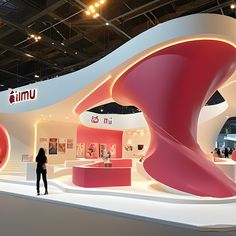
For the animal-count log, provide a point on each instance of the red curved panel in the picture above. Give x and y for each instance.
(96, 175)
(170, 87)
(100, 94)
(4, 146)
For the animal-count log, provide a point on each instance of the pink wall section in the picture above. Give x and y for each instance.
(90, 135)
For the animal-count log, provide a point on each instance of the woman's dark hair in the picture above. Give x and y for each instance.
(41, 152)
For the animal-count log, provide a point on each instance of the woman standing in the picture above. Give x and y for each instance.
(41, 160)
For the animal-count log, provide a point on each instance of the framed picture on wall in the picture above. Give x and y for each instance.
(69, 143)
(80, 150)
(140, 146)
(92, 150)
(128, 148)
(102, 150)
(112, 150)
(62, 145)
(52, 146)
(43, 143)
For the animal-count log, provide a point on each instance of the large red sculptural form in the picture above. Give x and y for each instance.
(4, 146)
(170, 87)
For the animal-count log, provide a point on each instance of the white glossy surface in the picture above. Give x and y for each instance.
(183, 211)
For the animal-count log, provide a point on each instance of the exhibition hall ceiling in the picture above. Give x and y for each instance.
(40, 40)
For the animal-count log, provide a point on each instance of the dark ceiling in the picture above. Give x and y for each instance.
(72, 40)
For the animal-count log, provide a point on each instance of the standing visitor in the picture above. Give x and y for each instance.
(41, 160)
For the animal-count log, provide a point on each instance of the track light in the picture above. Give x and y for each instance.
(92, 9)
(35, 37)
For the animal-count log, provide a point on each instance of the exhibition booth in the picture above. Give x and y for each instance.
(158, 154)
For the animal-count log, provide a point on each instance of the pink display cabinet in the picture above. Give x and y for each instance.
(97, 175)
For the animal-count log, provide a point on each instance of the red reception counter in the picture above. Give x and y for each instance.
(97, 175)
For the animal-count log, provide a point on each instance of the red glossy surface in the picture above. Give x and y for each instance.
(100, 94)
(170, 87)
(234, 156)
(4, 146)
(96, 175)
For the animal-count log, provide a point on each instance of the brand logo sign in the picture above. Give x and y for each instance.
(101, 120)
(22, 96)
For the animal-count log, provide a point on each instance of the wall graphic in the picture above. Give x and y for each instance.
(61, 145)
(69, 143)
(92, 150)
(52, 146)
(102, 149)
(128, 148)
(43, 143)
(80, 150)
(112, 150)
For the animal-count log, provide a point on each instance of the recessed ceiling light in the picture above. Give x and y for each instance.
(107, 23)
(2, 85)
(232, 6)
(36, 76)
(62, 44)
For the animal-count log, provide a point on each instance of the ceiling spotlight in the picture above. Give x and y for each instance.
(35, 37)
(232, 6)
(94, 7)
(101, 110)
(107, 23)
(36, 76)
(96, 15)
(1, 85)
(62, 44)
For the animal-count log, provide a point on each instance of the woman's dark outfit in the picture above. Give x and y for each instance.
(41, 161)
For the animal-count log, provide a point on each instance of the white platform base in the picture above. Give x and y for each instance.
(144, 201)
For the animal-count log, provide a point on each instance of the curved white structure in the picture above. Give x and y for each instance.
(216, 116)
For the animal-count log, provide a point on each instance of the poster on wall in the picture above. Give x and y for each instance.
(140, 146)
(69, 143)
(52, 146)
(128, 148)
(80, 150)
(43, 143)
(112, 150)
(62, 145)
(102, 150)
(92, 150)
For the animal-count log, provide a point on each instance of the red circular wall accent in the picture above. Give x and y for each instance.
(4, 146)
(170, 87)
